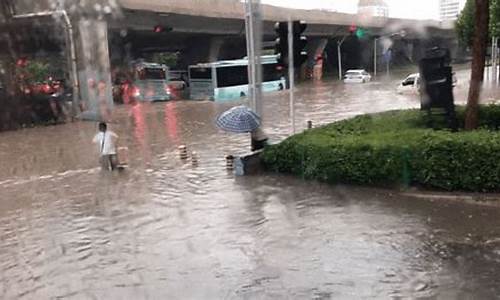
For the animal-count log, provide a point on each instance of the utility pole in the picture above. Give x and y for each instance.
(375, 57)
(291, 73)
(339, 53)
(253, 22)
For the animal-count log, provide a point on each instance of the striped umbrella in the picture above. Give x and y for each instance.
(239, 119)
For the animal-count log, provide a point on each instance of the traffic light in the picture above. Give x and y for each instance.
(299, 43)
(357, 31)
(281, 45)
(360, 33)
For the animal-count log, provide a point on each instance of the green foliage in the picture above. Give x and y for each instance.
(34, 72)
(395, 148)
(465, 23)
(169, 59)
(495, 18)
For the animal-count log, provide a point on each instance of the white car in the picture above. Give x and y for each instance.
(410, 85)
(357, 76)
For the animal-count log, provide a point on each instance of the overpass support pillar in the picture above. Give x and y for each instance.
(314, 65)
(216, 45)
(94, 74)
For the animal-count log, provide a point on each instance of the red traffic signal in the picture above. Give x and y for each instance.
(161, 29)
(352, 28)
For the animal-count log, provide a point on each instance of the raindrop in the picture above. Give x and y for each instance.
(97, 7)
(107, 9)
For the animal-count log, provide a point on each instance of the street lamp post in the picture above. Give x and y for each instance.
(402, 33)
(339, 53)
(72, 52)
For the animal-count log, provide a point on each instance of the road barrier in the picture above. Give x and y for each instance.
(183, 154)
(229, 162)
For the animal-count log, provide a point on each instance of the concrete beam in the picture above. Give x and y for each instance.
(234, 9)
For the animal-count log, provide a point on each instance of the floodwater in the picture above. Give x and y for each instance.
(165, 229)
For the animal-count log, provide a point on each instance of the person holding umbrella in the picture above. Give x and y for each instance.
(241, 119)
(259, 139)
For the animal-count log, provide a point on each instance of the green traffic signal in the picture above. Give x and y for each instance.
(360, 33)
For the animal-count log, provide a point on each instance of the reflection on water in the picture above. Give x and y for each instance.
(167, 230)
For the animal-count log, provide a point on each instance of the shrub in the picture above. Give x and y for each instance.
(395, 148)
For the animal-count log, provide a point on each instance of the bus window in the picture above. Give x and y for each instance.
(232, 76)
(201, 73)
(152, 74)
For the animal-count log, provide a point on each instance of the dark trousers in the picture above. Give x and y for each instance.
(109, 162)
(258, 144)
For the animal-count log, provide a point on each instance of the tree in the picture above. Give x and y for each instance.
(169, 59)
(495, 18)
(465, 23)
(479, 44)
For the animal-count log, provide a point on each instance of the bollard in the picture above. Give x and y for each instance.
(229, 162)
(309, 124)
(194, 158)
(183, 152)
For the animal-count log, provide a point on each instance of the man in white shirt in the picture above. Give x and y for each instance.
(106, 142)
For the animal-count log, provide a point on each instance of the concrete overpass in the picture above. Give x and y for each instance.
(215, 28)
(320, 22)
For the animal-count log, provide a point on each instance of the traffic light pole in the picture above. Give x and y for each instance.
(291, 74)
(253, 27)
(339, 54)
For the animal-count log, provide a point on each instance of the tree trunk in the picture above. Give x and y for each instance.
(479, 45)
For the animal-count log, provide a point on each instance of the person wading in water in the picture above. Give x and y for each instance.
(106, 141)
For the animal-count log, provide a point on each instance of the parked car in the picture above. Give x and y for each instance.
(357, 76)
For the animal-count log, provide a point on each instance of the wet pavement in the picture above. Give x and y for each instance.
(165, 229)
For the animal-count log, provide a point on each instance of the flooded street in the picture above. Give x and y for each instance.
(165, 229)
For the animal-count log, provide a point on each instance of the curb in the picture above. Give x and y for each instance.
(482, 200)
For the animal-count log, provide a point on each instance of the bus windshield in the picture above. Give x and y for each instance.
(152, 74)
(201, 73)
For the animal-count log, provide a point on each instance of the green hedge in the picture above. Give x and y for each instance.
(395, 148)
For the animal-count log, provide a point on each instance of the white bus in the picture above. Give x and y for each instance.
(147, 82)
(228, 80)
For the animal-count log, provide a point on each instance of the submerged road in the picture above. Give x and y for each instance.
(165, 229)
